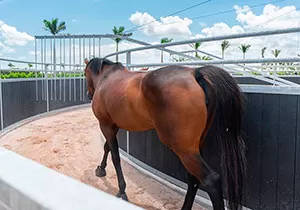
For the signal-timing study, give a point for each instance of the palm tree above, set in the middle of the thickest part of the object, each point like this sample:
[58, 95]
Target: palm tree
[163, 41]
[54, 28]
[119, 32]
[10, 65]
[205, 58]
[224, 45]
[263, 52]
[196, 46]
[244, 48]
[276, 52]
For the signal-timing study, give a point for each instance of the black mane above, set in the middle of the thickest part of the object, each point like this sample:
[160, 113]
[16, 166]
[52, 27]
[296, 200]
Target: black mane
[96, 64]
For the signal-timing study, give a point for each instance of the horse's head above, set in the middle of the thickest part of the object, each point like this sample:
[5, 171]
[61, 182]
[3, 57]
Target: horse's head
[94, 68]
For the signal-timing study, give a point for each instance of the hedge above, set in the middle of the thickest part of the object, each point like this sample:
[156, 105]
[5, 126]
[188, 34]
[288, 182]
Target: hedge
[22, 74]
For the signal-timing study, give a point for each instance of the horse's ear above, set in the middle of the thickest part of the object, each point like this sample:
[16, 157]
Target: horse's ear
[86, 61]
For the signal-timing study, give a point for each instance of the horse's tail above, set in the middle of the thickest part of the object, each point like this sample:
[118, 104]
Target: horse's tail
[225, 110]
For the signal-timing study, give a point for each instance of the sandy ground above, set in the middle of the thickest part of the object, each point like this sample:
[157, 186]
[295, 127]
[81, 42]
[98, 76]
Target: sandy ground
[71, 143]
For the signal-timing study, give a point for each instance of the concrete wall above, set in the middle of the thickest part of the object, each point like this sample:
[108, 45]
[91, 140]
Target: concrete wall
[27, 185]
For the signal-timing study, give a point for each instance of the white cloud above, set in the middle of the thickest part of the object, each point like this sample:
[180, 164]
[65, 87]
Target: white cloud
[172, 26]
[6, 49]
[221, 29]
[273, 17]
[12, 36]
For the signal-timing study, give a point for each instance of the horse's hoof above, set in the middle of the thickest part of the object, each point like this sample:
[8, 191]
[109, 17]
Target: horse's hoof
[100, 172]
[123, 196]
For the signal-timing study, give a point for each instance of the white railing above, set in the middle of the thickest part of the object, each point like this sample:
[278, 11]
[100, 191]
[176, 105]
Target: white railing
[25, 184]
[241, 63]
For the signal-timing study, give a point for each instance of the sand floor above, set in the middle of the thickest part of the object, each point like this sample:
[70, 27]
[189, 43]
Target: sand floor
[71, 143]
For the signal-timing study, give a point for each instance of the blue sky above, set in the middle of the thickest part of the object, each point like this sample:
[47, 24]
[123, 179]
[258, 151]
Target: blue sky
[99, 17]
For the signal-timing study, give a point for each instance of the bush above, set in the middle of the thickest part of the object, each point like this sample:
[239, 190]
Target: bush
[23, 74]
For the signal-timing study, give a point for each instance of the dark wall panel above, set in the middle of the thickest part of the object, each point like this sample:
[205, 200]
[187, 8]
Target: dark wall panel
[122, 139]
[19, 101]
[67, 94]
[253, 81]
[147, 147]
[297, 160]
[286, 151]
[269, 148]
[25, 99]
[249, 80]
[254, 134]
[295, 79]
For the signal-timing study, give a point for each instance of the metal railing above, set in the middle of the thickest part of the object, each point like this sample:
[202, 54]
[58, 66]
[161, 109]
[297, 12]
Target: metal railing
[265, 76]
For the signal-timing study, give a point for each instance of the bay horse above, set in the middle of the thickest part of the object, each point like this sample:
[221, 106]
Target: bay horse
[180, 103]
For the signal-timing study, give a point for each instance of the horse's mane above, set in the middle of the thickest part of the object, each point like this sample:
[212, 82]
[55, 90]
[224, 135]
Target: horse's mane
[96, 64]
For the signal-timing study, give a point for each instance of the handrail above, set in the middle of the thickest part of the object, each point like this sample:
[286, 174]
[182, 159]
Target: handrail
[215, 38]
[265, 60]
[39, 63]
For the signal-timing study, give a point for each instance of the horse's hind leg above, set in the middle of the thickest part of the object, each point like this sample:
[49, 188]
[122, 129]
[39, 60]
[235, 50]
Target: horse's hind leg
[209, 180]
[110, 133]
[100, 171]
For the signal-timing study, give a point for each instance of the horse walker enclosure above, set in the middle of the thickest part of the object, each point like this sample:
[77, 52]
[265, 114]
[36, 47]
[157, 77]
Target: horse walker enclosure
[270, 125]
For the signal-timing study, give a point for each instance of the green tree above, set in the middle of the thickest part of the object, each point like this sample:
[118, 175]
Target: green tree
[54, 28]
[10, 65]
[244, 48]
[163, 41]
[196, 46]
[119, 32]
[224, 45]
[276, 52]
[29, 65]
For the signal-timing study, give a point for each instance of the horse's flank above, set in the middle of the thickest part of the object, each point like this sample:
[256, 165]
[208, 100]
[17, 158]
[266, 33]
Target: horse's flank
[126, 97]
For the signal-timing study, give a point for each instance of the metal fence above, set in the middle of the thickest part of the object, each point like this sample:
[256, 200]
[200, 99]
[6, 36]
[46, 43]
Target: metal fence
[266, 69]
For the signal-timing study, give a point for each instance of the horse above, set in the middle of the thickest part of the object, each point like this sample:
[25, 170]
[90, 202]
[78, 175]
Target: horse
[180, 103]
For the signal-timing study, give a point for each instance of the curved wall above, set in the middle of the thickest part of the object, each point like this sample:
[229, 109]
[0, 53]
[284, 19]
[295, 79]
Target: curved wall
[271, 128]
[23, 99]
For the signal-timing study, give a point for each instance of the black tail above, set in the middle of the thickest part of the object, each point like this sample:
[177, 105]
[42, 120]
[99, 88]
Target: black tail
[225, 110]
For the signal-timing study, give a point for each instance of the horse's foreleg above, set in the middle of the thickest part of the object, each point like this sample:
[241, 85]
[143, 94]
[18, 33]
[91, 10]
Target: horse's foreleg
[193, 185]
[100, 171]
[110, 133]
[209, 180]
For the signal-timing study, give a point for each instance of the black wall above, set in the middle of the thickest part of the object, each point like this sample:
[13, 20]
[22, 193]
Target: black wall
[271, 128]
[253, 81]
[20, 102]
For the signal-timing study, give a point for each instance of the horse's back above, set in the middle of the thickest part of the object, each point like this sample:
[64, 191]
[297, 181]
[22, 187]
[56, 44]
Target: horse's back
[157, 85]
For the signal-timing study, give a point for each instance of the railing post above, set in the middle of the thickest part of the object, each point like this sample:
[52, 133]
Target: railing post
[1, 102]
[36, 73]
[128, 61]
[47, 89]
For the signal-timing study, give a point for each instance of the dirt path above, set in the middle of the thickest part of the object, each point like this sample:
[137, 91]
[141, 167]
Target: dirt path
[71, 143]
